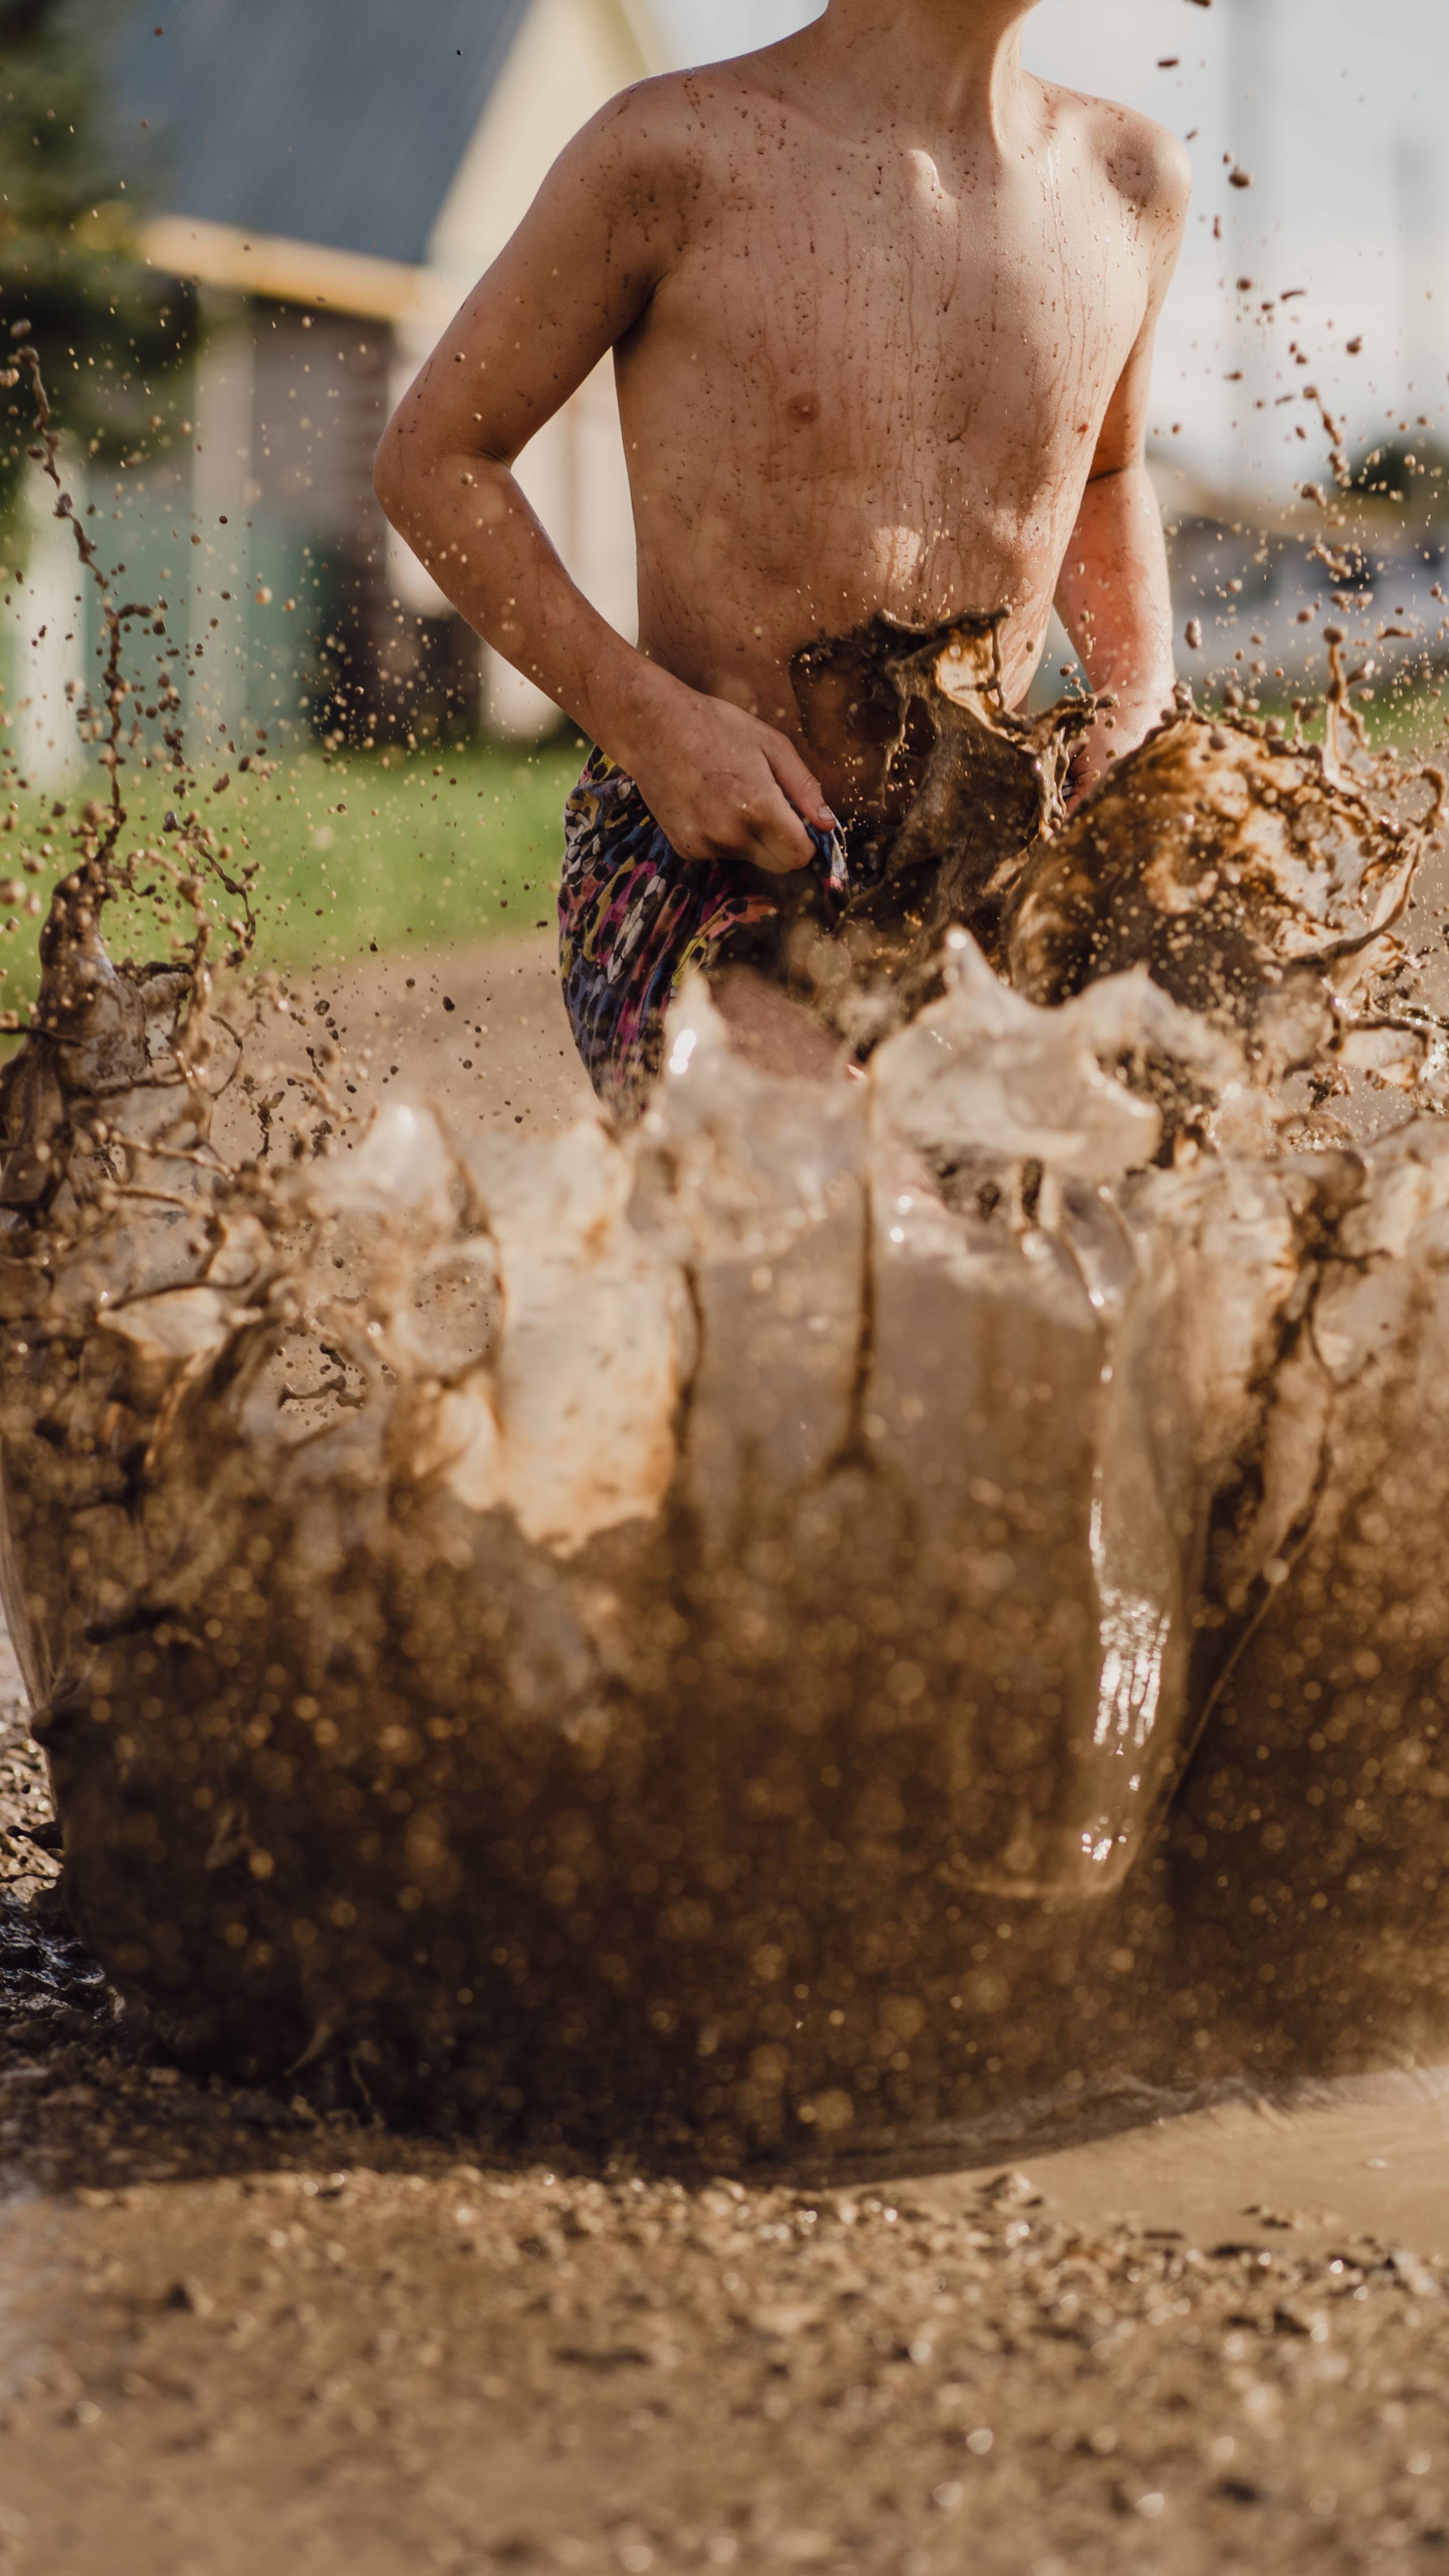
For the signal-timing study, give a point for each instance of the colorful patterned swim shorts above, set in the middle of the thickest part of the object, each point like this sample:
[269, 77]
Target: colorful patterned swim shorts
[634, 917]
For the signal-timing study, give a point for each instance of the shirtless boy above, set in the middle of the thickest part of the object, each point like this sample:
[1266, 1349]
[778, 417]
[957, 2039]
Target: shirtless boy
[882, 310]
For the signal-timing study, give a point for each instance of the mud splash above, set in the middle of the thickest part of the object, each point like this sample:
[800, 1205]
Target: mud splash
[831, 1614]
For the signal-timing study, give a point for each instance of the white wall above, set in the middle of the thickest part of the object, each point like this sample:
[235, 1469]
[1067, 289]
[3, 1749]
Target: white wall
[220, 478]
[46, 618]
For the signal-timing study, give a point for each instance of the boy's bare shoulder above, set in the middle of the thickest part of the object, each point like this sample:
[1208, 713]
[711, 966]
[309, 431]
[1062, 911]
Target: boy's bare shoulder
[635, 167]
[662, 124]
[644, 163]
[1149, 167]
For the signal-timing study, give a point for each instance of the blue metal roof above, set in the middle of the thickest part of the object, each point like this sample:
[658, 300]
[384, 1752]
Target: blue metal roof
[333, 121]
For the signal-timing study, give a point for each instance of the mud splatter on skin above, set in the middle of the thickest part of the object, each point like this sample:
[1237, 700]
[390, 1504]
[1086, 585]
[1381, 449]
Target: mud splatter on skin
[700, 1633]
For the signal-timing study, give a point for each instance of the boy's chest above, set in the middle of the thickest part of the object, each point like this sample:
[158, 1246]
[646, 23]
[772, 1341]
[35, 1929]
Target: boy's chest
[889, 291]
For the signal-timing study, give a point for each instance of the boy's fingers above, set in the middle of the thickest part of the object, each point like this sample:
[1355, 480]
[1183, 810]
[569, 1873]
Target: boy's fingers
[800, 785]
[779, 839]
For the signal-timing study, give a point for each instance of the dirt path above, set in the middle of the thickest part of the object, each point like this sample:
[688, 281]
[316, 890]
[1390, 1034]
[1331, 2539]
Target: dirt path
[239, 2332]
[484, 1029]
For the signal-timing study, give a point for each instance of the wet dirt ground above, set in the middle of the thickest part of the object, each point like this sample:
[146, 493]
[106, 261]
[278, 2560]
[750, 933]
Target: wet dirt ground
[238, 2329]
[483, 1027]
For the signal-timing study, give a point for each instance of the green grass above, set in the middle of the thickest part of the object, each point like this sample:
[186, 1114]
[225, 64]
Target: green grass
[357, 850]
[1414, 720]
[399, 849]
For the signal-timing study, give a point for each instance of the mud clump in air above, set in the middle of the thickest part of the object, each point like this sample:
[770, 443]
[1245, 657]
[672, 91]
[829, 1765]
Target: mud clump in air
[831, 1612]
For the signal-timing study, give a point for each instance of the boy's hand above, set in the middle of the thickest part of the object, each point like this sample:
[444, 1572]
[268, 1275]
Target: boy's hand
[722, 785]
[1110, 740]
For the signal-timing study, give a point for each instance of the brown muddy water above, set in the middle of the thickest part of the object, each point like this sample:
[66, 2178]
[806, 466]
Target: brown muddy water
[233, 2322]
[749, 1865]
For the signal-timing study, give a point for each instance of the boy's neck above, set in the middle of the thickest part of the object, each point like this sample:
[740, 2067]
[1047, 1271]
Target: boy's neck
[951, 63]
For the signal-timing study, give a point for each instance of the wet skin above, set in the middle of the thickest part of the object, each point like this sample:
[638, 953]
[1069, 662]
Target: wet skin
[882, 309]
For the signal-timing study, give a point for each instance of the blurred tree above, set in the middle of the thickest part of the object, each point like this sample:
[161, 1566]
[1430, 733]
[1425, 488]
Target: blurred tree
[111, 334]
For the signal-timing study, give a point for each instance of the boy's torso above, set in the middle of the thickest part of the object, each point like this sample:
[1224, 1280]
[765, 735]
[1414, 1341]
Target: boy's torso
[870, 380]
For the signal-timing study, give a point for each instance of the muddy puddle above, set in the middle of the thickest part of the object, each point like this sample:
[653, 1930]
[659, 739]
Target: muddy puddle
[749, 1864]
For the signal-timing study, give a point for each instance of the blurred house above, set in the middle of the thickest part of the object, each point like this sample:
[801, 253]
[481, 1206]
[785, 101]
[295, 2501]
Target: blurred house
[335, 175]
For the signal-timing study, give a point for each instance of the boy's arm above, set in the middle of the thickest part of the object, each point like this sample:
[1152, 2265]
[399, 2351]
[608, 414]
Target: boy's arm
[577, 274]
[1114, 593]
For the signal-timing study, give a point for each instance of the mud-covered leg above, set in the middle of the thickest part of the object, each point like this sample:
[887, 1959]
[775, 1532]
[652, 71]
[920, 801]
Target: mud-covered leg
[773, 1033]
